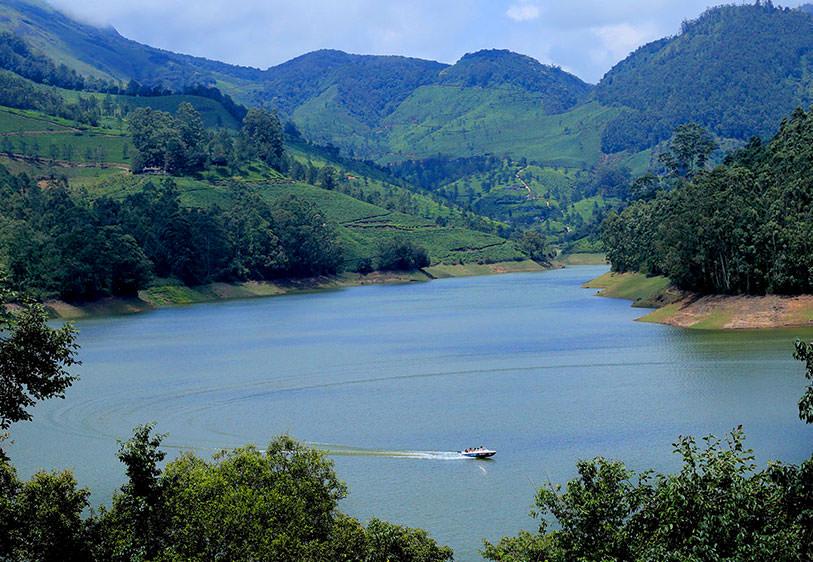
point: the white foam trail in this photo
(431, 455)
(423, 455)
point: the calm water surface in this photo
(391, 379)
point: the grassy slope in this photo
(362, 227)
(468, 121)
(639, 288)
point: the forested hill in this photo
(103, 53)
(735, 70)
(497, 68)
(744, 227)
(369, 87)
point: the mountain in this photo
(335, 97)
(103, 53)
(736, 70)
(365, 86)
(489, 101)
(497, 68)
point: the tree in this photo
(688, 151)
(804, 352)
(278, 505)
(307, 239)
(152, 132)
(137, 525)
(532, 243)
(399, 253)
(261, 135)
(45, 522)
(34, 358)
(715, 508)
(192, 137)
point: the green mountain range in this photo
(497, 133)
(735, 70)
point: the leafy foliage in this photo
(688, 150)
(172, 143)
(34, 358)
(804, 352)
(400, 254)
(261, 136)
(42, 518)
(744, 227)
(243, 505)
(717, 507)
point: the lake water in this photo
(393, 379)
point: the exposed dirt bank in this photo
(710, 312)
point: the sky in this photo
(585, 37)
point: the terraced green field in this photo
(15, 121)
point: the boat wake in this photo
(339, 450)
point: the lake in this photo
(393, 379)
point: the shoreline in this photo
(162, 296)
(683, 309)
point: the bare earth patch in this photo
(736, 312)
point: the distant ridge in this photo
(736, 70)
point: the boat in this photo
(478, 453)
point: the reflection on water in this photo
(385, 378)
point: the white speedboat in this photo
(478, 453)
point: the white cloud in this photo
(523, 11)
(619, 40)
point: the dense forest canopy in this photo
(735, 70)
(743, 227)
(55, 244)
(369, 87)
(499, 68)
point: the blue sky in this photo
(585, 37)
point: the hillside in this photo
(735, 70)
(103, 53)
(497, 68)
(76, 224)
(365, 87)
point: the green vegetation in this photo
(735, 70)
(743, 227)
(34, 359)
(56, 245)
(644, 291)
(242, 505)
(717, 507)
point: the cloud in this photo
(524, 11)
(619, 40)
